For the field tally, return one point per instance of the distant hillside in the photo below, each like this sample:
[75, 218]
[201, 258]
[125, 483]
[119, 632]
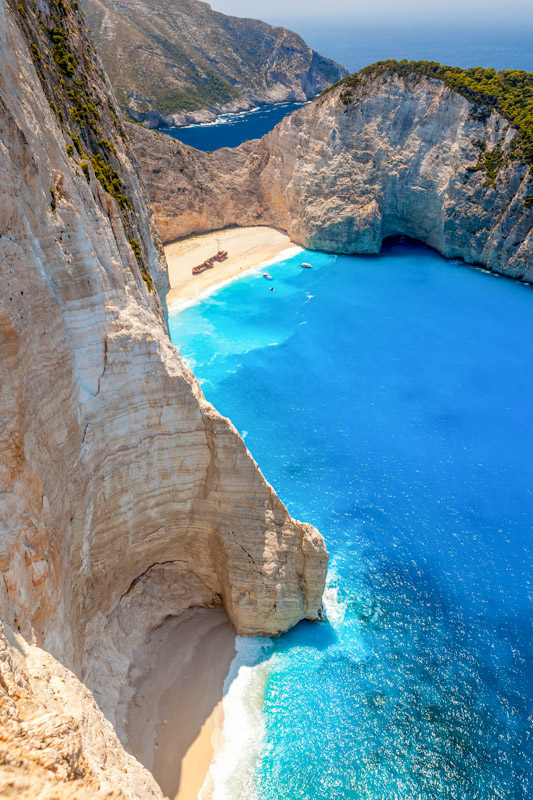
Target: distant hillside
[180, 61]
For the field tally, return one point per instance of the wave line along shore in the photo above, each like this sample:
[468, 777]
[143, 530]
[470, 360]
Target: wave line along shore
[247, 248]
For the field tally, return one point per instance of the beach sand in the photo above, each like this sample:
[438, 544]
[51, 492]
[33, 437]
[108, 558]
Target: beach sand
[177, 716]
[246, 247]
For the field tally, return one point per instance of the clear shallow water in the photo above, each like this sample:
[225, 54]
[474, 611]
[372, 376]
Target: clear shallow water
[388, 400]
[231, 130]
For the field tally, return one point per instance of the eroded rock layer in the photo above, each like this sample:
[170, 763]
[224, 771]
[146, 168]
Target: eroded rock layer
[398, 155]
[124, 495]
[55, 743]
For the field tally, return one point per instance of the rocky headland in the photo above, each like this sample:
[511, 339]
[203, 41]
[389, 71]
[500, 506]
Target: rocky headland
[398, 149]
[181, 63]
[125, 498]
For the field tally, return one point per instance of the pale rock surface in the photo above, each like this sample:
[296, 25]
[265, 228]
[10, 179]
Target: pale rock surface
[341, 178]
[124, 496]
[55, 743]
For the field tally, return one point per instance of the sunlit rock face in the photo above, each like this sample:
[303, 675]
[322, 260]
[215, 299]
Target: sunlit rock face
[400, 156]
[124, 496]
[183, 62]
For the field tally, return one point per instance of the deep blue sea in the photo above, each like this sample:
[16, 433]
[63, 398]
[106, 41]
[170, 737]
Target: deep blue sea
[231, 130]
[357, 45]
[500, 46]
[388, 400]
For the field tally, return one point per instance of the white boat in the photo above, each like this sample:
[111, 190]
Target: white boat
[306, 265]
[267, 276]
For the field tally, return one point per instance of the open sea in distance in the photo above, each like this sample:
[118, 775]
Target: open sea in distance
[388, 401]
[356, 46]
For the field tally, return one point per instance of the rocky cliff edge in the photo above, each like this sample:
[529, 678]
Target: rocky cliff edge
[182, 62]
[124, 495]
[384, 154]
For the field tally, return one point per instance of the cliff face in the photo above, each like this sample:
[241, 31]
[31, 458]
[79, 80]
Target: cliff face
[396, 155]
[181, 62]
[124, 496]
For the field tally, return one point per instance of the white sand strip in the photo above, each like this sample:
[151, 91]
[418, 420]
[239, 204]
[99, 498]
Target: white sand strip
[246, 247]
[172, 726]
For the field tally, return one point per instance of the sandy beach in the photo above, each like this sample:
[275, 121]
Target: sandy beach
[178, 716]
[246, 247]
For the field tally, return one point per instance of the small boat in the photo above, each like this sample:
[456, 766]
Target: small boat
[267, 276]
[306, 265]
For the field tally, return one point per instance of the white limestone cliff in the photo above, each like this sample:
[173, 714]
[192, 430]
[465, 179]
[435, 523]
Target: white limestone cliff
[55, 743]
[400, 156]
[124, 495]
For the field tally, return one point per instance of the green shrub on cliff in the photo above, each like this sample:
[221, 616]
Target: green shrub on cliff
[509, 92]
[71, 76]
[490, 161]
[61, 52]
[211, 89]
[135, 246]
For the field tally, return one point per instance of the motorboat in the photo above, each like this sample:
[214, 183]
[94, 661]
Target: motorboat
[267, 276]
[306, 265]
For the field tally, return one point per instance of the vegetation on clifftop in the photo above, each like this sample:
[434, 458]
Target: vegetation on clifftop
[509, 92]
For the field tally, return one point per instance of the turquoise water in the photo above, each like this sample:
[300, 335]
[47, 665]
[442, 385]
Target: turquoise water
[388, 400]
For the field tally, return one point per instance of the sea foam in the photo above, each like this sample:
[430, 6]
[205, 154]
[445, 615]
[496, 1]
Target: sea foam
[232, 773]
[371, 422]
[284, 255]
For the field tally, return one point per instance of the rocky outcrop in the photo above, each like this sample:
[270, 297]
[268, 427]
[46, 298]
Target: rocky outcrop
[397, 155]
[55, 742]
[181, 62]
[124, 495]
